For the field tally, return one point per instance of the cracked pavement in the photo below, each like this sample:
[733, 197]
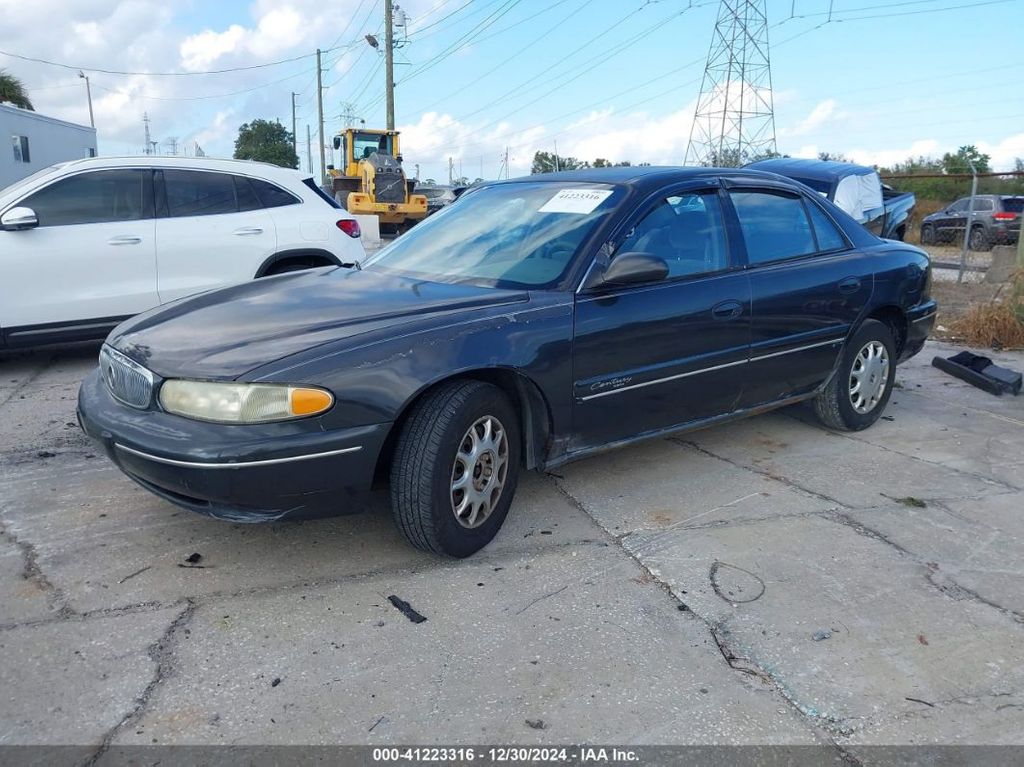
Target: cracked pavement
[764, 582]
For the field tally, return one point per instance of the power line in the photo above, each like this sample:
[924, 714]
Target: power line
[200, 98]
[443, 19]
[78, 68]
[464, 40]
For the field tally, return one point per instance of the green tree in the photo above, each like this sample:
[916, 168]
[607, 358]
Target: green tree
[266, 141]
[548, 162]
[13, 91]
[962, 160]
[833, 157]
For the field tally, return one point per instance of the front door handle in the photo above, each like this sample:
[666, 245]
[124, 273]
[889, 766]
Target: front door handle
[849, 285]
[727, 310]
[124, 239]
[248, 230]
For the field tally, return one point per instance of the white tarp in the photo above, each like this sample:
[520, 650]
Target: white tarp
[859, 194]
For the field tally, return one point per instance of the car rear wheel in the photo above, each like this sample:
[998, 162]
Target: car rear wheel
[857, 394]
[455, 468]
[979, 240]
[927, 235]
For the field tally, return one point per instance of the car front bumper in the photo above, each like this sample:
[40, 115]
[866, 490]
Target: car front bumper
[258, 473]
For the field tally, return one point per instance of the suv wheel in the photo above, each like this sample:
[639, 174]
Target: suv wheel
[455, 468]
[927, 235]
[857, 394]
[979, 240]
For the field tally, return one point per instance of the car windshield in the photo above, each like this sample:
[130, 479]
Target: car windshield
[518, 235]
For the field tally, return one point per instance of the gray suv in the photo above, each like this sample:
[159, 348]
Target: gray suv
[995, 221]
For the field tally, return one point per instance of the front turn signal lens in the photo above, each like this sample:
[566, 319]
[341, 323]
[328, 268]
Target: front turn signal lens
[310, 401]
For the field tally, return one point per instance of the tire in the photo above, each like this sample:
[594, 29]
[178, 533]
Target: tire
[979, 240]
[431, 457]
[836, 405]
[927, 235]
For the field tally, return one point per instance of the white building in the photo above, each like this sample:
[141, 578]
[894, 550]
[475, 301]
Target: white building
[30, 141]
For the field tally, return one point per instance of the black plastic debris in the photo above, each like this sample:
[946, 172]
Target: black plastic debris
[979, 371]
[406, 609]
[193, 558]
[536, 724]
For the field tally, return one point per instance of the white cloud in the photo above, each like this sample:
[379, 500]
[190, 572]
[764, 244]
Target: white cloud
[200, 51]
[823, 113]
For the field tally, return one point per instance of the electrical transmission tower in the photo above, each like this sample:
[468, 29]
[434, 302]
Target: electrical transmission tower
[734, 122]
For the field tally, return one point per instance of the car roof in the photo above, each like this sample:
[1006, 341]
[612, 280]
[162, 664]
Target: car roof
[646, 176]
[203, 163]
[817, 170]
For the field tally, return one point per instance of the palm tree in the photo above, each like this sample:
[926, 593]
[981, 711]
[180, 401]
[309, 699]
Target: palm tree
[13, 91]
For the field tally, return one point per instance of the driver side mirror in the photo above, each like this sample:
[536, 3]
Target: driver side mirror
[17, 219]
[632, 268]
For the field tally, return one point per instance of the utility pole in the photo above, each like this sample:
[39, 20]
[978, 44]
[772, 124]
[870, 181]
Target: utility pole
[506, 163]
[149, 143]
[557, 168]
[88, 95]
[451, 171]
[309, 149]
[295, 137]
[320, 111]
[389, 63]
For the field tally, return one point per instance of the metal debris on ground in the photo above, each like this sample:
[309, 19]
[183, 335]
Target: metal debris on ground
[821, 635]
[406, 609]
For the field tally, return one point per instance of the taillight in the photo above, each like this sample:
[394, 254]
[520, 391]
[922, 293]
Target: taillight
[350, 227]
[1004, 216]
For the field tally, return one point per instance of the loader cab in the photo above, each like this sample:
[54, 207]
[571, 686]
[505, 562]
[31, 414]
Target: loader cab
[356, 145]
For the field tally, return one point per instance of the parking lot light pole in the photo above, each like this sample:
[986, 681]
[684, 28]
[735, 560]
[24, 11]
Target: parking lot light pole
[88, 95]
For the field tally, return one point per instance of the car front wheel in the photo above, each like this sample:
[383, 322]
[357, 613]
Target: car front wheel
[927, 235]
[455, 468]
[857, 394]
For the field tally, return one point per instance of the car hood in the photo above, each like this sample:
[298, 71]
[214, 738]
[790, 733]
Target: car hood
[226, 333]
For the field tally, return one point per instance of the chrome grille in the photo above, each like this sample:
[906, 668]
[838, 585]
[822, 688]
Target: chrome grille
[126, 379]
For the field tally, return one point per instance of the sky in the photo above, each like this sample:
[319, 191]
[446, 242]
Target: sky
[619, 79]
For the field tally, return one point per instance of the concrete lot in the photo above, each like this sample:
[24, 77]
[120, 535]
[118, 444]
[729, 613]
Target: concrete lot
[766, 582]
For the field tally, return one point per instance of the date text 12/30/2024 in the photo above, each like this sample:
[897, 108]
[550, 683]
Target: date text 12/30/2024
[505, 754]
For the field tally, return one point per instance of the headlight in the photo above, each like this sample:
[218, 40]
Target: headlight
[242, 403]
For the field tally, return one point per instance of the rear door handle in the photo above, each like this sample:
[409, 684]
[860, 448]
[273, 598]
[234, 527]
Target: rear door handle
[727, 310]
[124, 239]
[248, 230]
[849, 285]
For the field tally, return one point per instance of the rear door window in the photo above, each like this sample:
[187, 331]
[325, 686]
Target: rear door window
[272, 196]
[199, 193]
[828, 235]
[774, 225]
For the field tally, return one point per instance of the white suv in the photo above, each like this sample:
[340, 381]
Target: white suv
[87, 243]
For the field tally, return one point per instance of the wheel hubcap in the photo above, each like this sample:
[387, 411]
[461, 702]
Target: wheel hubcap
[869, 377]
[479, 471]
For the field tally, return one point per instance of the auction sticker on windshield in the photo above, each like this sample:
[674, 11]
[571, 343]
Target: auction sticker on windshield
[575, 201]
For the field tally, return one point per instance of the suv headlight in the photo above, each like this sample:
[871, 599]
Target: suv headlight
[242, 403]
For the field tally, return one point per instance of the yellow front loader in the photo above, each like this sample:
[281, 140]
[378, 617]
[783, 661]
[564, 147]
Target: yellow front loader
[371, 180]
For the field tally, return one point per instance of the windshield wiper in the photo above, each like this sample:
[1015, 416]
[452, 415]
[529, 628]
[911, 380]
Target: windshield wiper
[356, 264]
